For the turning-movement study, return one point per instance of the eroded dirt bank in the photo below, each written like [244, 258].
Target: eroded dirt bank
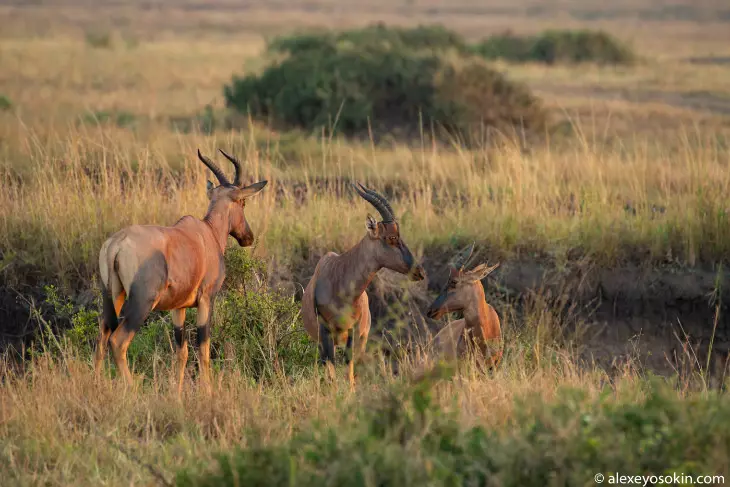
[626, 313]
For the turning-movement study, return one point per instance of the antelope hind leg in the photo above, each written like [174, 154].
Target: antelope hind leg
[143, 297]
[327, 350]
[108, 323]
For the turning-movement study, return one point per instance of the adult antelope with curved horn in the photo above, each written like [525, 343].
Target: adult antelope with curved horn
[171, 269]
[335, 299]
[463, 291]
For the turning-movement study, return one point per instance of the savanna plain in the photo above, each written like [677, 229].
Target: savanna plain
[611, 225]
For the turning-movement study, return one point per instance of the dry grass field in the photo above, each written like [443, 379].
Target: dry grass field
[613, 236]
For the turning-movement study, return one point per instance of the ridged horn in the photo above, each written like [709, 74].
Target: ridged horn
[460, 259]
[213, 168]
[381, 198]
[380, 203]
[237, 164]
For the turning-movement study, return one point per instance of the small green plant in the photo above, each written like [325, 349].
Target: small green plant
[5, 103]
[99, 39]
[205, 122]
[82, 330]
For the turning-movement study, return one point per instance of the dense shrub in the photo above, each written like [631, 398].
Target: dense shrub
[357, 88]
[406, 440]
[557, 46]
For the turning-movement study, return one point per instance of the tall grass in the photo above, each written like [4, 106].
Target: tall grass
[64, 194]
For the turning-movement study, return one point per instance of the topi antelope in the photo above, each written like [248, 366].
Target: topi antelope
[335, 300]
[464, 292]
[171, 269]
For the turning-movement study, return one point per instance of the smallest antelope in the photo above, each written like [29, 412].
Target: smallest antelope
[464, 292]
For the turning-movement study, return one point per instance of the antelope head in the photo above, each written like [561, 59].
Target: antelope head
[462, 288]
[233, 195]
[383, 238]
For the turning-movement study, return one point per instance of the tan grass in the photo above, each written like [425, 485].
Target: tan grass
[74, 190]
[58, 425]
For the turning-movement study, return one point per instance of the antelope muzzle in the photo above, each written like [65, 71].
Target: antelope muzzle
[436, 310]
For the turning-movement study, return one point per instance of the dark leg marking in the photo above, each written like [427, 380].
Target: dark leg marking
[179, 335]
[203, 334]
[348, 346]
[108, 313]
[326, 345]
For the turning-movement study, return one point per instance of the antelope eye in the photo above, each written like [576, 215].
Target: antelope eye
[393, 240]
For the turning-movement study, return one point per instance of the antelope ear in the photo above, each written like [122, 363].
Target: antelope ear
[248, 191]
[479, 272]
[209, 188]
[372, 225]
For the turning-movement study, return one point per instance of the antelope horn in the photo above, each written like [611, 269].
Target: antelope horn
[213, 168]
[460, 260]
[377, 201]
[237, 165]
[381, 198]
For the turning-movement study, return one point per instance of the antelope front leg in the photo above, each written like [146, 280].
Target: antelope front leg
[181, 346]
[350, 359]
[327, 350]
[204, 311]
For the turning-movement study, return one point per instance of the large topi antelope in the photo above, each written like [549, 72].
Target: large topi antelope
[171, 269]
[464, 292]
[335, 300]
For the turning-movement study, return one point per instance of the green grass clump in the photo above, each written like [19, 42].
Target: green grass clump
[121, 119]
[406, 439]
[557, 46]
[365, 88]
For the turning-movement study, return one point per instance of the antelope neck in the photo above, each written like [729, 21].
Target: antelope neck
[360, 268]
[476, 316]
[218, 221]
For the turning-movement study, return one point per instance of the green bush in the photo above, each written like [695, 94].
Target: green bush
[407, 440]
[506, 46]
[557, 46]
[430, 37]
[377, 88]
[260, 325]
